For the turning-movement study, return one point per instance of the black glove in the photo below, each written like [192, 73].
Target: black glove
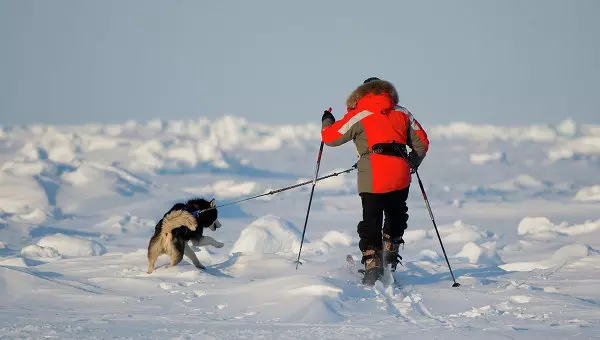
[327, 115]
[414, 161]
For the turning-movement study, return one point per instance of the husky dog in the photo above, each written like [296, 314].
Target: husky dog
[182, 223]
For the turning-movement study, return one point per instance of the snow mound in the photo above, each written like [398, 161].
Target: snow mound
[589, 194]
[583, 146]
[567, 128]
[460, 232]
[57, 146]
[542, 228]
[483, 158]
[480, 254]
[268, 235]
[70, 246]
[429, 255]
[572, 252]
[35, 251]
[335, 238]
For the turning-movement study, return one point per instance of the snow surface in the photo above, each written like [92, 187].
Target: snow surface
[516, 207]
[483, 158]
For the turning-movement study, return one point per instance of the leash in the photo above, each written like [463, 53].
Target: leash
[272, 192]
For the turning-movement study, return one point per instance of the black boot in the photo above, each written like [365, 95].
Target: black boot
[373, 267]
[390, 251]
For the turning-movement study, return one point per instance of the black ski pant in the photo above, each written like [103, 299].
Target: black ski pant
[392, 205]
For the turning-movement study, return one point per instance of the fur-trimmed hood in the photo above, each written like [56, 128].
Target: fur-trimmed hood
[375, 87]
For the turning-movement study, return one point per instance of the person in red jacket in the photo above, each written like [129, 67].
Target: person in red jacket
[381, 130]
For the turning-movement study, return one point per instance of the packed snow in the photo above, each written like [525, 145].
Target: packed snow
[516, 209]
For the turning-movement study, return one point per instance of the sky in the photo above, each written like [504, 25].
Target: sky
[503, 62]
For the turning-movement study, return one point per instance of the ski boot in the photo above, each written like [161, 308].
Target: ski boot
[373, 267]
[390, 251]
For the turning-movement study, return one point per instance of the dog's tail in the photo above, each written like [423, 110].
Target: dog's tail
[176, 219]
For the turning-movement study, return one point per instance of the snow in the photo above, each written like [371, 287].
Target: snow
[582, 146]
[535, 133]
[70, 246]
[225, 189]
[13, 262]
[483, 158]
[588, 194]
[460, 232]
[21, 194]
[480, 254]
[516, 208]
[35, 251]
[559, 258]
[267, 235]
[567, 128]
[543, 228]
[336, 238]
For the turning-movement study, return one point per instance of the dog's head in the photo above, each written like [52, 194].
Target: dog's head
[205, 212]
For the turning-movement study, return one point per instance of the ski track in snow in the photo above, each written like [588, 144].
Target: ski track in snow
[78, 206]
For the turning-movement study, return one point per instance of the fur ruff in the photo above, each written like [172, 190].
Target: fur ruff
[374, 87]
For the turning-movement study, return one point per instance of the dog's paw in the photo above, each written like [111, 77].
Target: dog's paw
[200, 266]
[219, 244]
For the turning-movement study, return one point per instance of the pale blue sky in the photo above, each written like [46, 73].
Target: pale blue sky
[501, 62]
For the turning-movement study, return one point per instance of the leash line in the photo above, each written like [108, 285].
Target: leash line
[276, 191]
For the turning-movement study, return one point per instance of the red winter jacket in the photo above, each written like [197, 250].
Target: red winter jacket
[374, 117]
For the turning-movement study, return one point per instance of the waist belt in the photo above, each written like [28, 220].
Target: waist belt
[388, 149]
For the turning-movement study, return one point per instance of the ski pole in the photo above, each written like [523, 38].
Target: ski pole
[310, 199]
[456, 284]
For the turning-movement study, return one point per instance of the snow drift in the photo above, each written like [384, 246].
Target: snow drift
[64, 246]
[543, 228]
[268, 235]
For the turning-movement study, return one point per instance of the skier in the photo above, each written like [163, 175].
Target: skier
[381, 130]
